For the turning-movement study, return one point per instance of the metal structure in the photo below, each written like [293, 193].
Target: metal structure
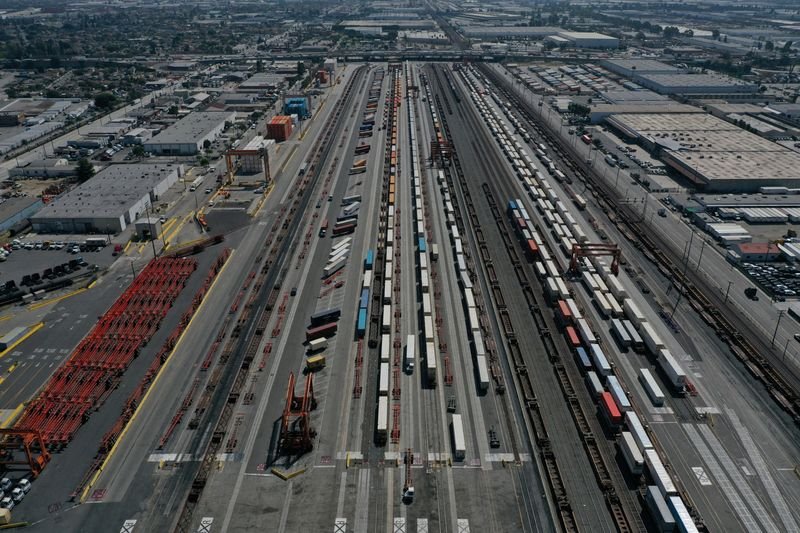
[231, 166]
[408, 484]
[297, 435]
[441, 151]
[32, 444]
[589, 249]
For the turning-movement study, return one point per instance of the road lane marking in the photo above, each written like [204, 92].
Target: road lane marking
[127, 526]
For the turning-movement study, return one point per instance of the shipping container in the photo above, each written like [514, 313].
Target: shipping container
[430, 364]
[361, 326]
[368, 260]
[317, 344]
[386, 326]
[340, 245]
[351, 199]
[459, 443]
[616, 288]
[386, 348]
[672, 370]
[426, 304]
[333, 267]
[382, 421]
[630, 451]
[616, 309]
[573, 307]
[659, 474]
[325, 330]
[681, 514]
[599, 359]
[609, 410]
[586, 332]
[620, 333]
[636, 340]
[387, 292]
[619, 394]
[325, 315]
[424, 282]
[315, 362]
[343, 229]
[434, 251]
[633, 313]
[651, 339]
[634, 425]
[541, 270]
[583, 359]
[651, 387]
[659, 510]
[482, 371]
[383, 380]
[594, 384]
[411, 345]
[429, 329]
[572, 337]
[602, 305]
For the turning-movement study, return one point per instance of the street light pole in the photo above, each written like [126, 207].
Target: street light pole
[780, 315]
[728, 290]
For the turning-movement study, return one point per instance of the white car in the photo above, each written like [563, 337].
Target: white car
[17, 494]
[25, 485]
[7, 503]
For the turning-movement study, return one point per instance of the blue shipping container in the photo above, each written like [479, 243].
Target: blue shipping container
[362, 322]
[368, 260]
[583, 359]
[421, 244]
[512, 205]
[364, 299]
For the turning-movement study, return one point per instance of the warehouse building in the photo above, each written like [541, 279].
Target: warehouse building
[110, 201]
[186, 137]
[15, 210]
[706, 86]
[509, 32]
[713, 154]
[630, 68]
[589, 39]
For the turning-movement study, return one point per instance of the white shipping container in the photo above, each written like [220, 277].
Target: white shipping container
[426, 304]
[602, 304]
[651, 338]
[383, 380]
[459, 443]
[659, 473]
[651, 387]
[633, 313]
[630, 451]
[599, 359]
[382, 423]
[429, 330]
[367, 283]
[387, 319]
[387, 292]
[585, 331]
[386, 348]
[673, 370]
[620, 397]
[411, 345]
[634, 425]
[573, 308]
[423, 281]
[616, 288]
[482, 370]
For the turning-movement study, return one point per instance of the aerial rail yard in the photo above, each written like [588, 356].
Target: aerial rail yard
[440, 317]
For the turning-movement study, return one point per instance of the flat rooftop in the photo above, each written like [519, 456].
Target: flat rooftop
[192, 127]
[713, 148]
[698, 81]
[641, 65]
[109, 193]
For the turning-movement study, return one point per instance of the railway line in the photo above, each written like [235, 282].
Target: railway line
[545, 345]
[230, 373]
[779, 380]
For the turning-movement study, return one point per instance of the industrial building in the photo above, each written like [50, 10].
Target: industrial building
[186, 137]
[15, 210]
[43, 168]
[588, 39]
[630, 68]
[708, 86]
[712, 153]
[509, 32]
[110, 201]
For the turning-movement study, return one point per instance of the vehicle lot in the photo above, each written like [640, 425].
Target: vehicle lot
[22, 262]
[776, 279]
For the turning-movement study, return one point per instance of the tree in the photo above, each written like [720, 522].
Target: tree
[670, 31]
[203, 161]
[84, 170]
[173, 110]
[715, 34]
[301, 68]
[640, 36]
[137, 150]
[104, 100]
[787, 47]
[769, 46]
[259, 66]
[206, 144]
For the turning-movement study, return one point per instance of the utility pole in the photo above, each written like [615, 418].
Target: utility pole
[778, 323]
[728, 290]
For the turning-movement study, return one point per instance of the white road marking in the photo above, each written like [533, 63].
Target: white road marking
[127, 526]
[205, 524]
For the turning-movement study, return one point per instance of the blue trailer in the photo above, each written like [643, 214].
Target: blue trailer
[362, 322]
[421, 244]
[368, 260]
[364, 301]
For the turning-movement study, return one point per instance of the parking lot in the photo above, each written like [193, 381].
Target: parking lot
[779, 280]
[22, 261]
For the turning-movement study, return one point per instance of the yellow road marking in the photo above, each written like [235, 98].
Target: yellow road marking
[12, 417]
[33, 329]
[155, 381]
[43, 303]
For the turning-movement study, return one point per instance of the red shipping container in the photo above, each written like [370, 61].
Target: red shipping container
[610, 410]
[326, 330]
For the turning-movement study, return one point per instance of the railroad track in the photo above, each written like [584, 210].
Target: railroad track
[561, 500]
[233, 366]
[749, 349]
[603, 201]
